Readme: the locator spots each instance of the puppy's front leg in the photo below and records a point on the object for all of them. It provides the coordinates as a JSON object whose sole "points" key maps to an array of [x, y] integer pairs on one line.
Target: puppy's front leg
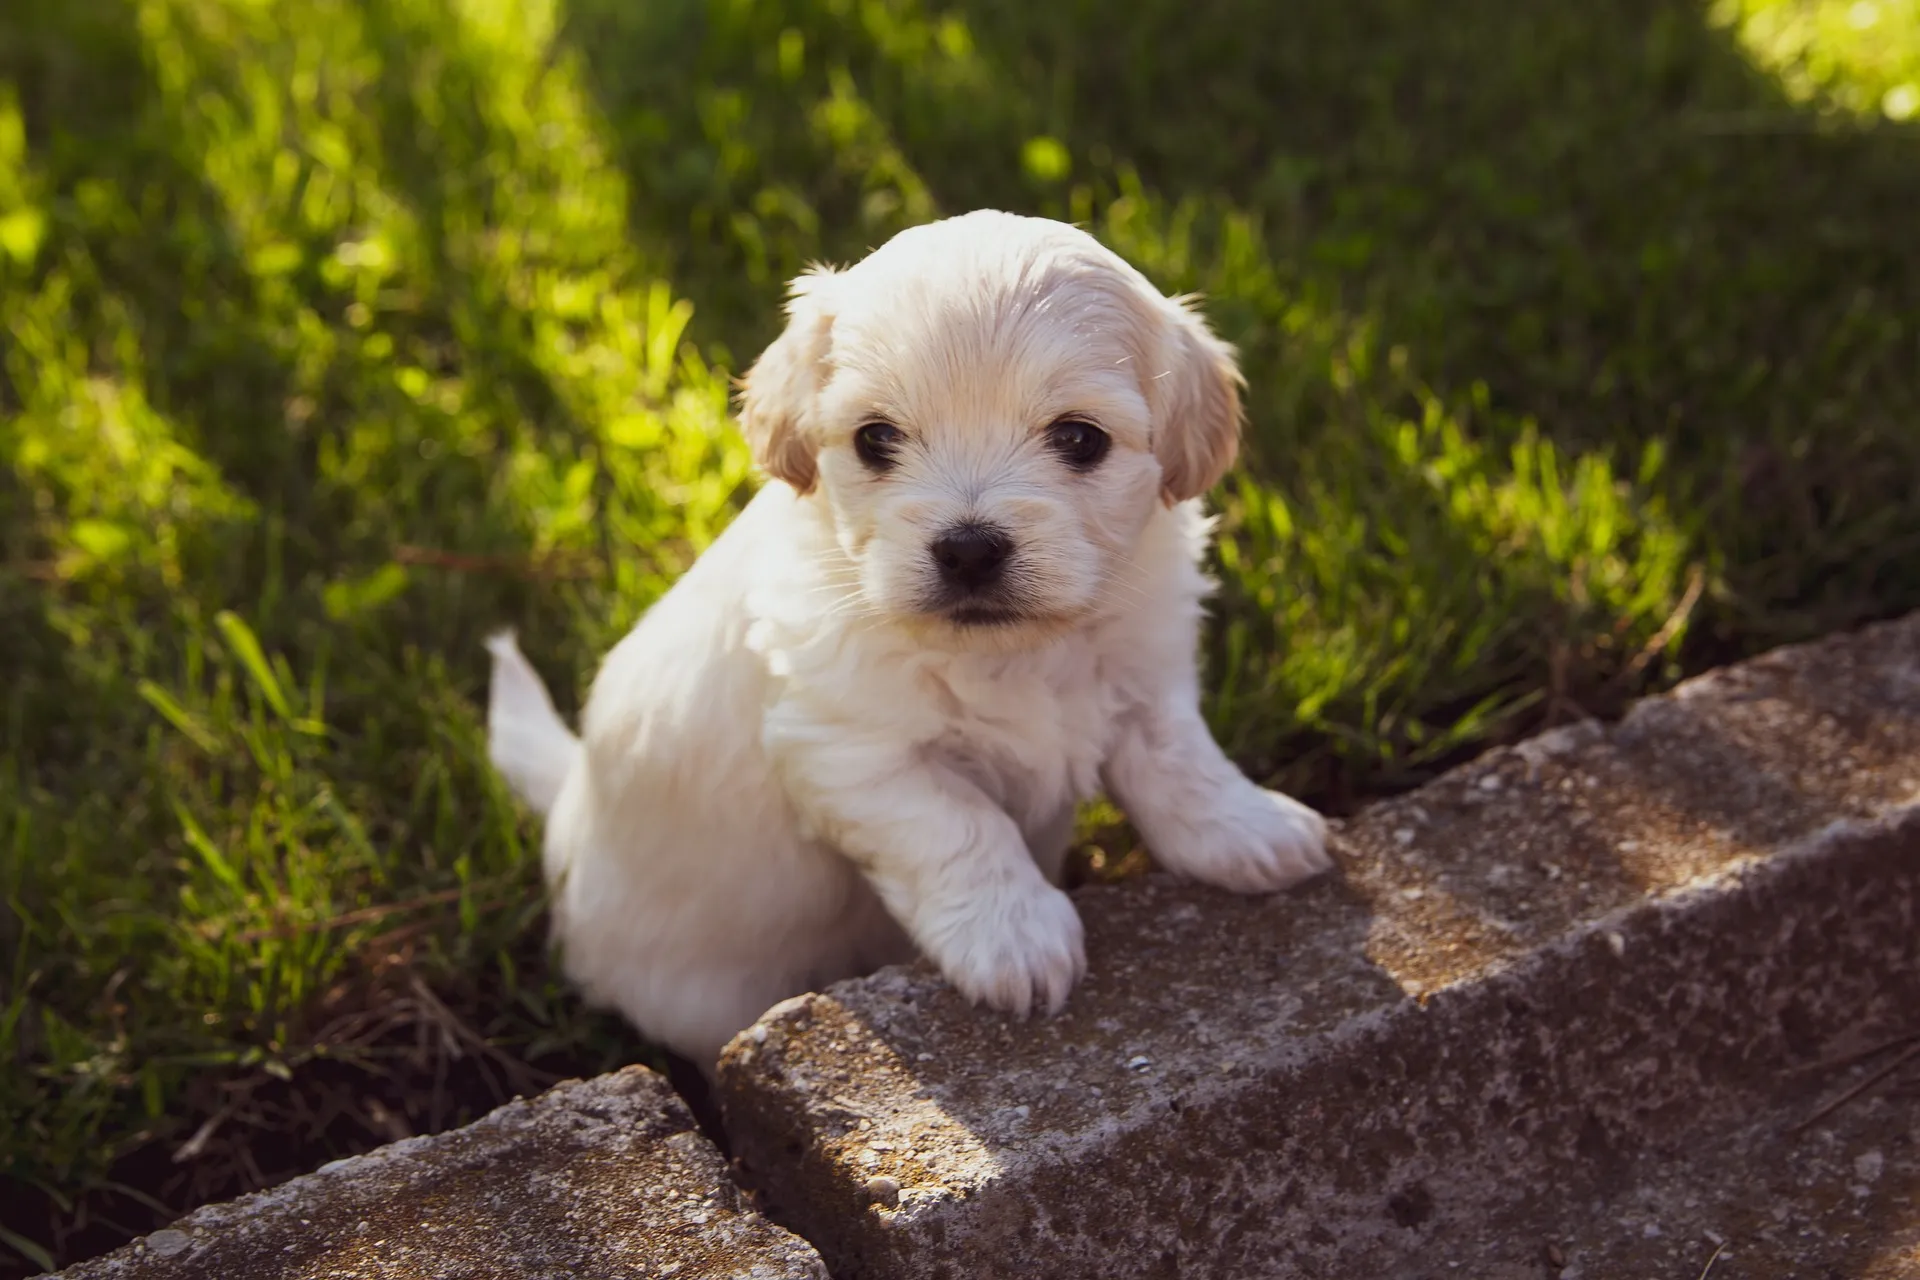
{"points": [[1200, 815], [949, 864]]}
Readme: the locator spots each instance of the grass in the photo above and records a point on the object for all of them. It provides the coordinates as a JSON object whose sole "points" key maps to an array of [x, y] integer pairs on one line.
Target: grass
{"points": [[1584, 346]]}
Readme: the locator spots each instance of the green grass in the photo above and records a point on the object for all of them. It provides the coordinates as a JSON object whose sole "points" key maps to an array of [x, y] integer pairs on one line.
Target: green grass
{"points": [[1584, 350]]}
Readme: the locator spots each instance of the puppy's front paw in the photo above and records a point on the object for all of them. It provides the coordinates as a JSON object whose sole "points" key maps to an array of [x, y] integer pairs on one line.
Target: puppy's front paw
{"points": [[1254, 841], [1014, 951]]}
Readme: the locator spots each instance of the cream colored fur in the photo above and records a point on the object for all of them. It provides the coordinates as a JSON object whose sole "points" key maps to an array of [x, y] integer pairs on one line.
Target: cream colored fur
{"points": [[804, 763]]}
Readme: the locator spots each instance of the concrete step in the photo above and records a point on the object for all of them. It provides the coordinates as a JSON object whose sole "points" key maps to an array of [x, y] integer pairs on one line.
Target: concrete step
{"points": [[605, 1178], [1561, 997], [1761, 1199]]}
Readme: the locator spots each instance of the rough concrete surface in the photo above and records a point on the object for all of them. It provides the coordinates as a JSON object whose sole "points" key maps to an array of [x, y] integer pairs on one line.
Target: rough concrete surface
{"points": [[1558, 1013], [605, 1178], [1837, 1201]]}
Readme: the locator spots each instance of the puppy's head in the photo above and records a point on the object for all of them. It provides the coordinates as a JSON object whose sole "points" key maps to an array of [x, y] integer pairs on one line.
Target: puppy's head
{"points": [[991, 407]]}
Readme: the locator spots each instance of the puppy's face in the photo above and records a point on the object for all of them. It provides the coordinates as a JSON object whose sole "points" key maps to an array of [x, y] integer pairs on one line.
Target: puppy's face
{"points": [[991, 407]]}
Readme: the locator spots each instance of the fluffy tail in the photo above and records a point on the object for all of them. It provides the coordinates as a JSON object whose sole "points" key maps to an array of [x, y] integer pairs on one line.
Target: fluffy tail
{"points": [[527, 740]]}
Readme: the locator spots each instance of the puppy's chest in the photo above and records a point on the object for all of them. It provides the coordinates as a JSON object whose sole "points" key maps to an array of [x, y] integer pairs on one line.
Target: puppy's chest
{"points": [[1031, 731]]}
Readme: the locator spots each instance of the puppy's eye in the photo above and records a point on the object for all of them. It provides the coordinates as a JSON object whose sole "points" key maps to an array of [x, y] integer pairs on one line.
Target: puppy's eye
{"points": [[877, 443], [1079, 443]]}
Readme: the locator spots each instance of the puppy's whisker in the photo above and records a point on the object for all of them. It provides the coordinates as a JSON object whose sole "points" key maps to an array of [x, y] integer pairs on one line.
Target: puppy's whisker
{"points": [[850, 582], [852, 607], [834, 597], [833, 588], [1116, 589]]}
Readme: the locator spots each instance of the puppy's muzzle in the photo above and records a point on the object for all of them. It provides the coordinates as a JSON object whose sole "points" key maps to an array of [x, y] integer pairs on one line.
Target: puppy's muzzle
{"points": [[976, 578], [972, 559]]}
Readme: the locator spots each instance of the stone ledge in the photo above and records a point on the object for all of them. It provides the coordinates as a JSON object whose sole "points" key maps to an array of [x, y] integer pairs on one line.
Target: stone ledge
{"points": [[606, 1178], [1529, 979]]}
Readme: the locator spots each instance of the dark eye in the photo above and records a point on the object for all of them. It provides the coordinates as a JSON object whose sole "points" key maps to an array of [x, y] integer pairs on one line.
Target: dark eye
{"points": [[877, 442], [1079, 443]]}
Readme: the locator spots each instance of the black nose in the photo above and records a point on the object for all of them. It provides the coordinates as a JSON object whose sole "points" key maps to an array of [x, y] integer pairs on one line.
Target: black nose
{"points": [[972, 555]]}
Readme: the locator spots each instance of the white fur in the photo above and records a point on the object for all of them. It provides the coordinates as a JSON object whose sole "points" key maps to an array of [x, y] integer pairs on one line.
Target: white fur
{"points": [[798, 766], [526, 739]]}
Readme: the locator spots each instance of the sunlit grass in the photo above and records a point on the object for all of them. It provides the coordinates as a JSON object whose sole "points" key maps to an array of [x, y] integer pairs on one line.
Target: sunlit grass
{"points": [[255, 351], [340, 332], [1861, 56]]}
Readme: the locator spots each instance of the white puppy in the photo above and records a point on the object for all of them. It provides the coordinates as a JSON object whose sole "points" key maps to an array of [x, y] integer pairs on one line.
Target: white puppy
{"points": [[968, 599]]}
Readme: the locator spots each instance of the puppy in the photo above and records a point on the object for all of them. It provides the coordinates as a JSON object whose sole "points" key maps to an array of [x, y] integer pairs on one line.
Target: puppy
{"points": [[967, 599]]}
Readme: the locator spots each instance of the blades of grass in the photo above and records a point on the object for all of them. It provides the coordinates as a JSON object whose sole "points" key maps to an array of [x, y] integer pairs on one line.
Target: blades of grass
{"points": [[34, 1253], [202, 844], [246, 646], [179, 717]]}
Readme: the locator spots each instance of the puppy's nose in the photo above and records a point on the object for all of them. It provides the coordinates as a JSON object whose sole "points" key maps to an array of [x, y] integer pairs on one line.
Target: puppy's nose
{"points": [[971, 555]]}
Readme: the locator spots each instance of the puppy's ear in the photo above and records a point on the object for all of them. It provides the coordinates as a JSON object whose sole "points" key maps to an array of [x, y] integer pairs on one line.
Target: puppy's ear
{"points": [[776, 395], [1195, 394]]}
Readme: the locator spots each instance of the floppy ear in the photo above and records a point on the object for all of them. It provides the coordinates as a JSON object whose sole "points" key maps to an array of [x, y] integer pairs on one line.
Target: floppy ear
{"points": [[1195, 395], [776, 395]]}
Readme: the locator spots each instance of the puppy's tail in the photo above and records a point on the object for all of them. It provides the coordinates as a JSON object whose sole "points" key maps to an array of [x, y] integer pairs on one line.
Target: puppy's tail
{"points": [[527, 740]]}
